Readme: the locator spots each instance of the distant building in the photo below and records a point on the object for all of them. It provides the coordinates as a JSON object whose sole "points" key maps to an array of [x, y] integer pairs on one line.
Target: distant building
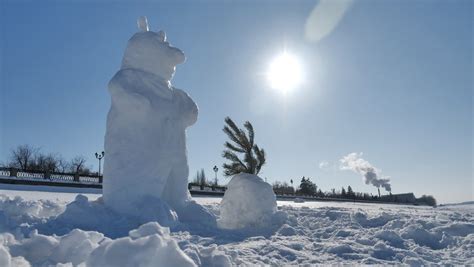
{"points": [[401, 198]]}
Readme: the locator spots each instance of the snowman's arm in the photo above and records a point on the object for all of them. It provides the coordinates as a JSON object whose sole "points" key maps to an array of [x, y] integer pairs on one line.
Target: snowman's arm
{"points": [[188, 108]]}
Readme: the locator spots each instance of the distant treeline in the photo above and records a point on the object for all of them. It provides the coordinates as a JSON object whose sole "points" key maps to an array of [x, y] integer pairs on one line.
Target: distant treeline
{"points": [[29, 158], [200, 180], [309, 188]]}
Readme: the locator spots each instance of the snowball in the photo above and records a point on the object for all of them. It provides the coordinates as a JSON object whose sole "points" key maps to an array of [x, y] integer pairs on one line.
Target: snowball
{"points": [[247, 202], [154, 248]]}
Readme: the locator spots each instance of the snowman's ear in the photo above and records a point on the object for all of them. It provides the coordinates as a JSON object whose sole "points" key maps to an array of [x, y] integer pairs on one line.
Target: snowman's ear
{"points": [[162, 36], [142, 24]]}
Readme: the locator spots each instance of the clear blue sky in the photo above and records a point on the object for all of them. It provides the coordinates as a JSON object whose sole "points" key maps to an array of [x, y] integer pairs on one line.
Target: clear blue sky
{"points": [[393, 80]]}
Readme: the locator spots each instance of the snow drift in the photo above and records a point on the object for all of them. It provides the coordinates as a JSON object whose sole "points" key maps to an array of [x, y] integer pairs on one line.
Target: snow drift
{"points": [[149, 245], [313, 233]]}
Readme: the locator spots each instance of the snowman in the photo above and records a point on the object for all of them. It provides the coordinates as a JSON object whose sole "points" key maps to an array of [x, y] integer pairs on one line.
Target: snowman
{"points": [[146, 169]]}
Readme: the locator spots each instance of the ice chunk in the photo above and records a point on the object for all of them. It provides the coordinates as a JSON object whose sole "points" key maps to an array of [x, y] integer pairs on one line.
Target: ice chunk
{"points": [[287, 230], [150, 228], [391, 237]]}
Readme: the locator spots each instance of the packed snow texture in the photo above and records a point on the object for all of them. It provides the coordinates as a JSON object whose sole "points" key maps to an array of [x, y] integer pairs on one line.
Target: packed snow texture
{"points": [[149, 245], [313, 233], [248, 202], [146, 168]]}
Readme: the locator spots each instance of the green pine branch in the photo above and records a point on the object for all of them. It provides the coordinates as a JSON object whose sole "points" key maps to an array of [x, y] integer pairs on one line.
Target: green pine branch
{"points": [[244, 143]]}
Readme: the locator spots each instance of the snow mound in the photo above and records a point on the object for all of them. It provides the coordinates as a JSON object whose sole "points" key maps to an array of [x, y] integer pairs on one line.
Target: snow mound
{"points": [[16, 212], [248, 202], [95, 216], [319, 233], [6, 260], [362, 219], [43, 250], [391, 237], [149, 245], [287, 230]]}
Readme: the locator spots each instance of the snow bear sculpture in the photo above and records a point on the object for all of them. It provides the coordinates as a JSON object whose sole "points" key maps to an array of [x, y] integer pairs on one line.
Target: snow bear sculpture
{"points": [[145, 141]]}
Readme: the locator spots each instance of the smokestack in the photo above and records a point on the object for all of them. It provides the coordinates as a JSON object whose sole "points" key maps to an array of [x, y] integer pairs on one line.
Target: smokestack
{"points": [[370, 174]]}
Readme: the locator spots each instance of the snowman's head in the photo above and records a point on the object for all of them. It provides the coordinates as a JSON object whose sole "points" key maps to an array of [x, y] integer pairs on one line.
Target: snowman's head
{"points": [[149, 51]]}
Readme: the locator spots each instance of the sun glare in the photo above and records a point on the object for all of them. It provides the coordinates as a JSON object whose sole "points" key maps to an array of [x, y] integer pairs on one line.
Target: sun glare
{"points": [[285, 73]]}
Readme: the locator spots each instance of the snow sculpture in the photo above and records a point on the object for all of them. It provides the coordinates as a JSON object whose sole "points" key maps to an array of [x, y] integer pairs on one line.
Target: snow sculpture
{"points": [[145, 143], [248, 202]]}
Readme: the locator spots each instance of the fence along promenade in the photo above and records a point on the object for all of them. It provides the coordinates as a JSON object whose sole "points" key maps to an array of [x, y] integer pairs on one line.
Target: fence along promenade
{"points": [[17, 176]]}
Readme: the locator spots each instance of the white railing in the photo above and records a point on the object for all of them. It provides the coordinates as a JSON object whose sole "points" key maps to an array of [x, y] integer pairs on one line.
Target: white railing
{"points": [[57, 177], [61, 177], [87, 179], [31, 175]]}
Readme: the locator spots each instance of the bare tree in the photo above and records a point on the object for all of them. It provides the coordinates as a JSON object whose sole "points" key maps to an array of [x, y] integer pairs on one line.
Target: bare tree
{"points": [[63, 165], [47, 163], [202, 179], [77, 165], [23, 157]]}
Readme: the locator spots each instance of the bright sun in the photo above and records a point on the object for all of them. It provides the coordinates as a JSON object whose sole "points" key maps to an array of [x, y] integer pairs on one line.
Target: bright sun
{"points": [[285, 73]]}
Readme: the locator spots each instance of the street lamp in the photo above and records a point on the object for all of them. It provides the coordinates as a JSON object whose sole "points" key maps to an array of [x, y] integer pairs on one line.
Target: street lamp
{"points": [[215, 171], [99, 156], [291, 181]]}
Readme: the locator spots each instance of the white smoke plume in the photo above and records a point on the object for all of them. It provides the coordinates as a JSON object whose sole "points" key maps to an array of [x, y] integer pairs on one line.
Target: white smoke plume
{"points": [[323, 164], [357, 164]]}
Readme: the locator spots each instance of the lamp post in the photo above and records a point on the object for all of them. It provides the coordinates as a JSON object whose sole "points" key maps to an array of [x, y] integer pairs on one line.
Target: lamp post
{"points": [[215, 171], [99, 156]]}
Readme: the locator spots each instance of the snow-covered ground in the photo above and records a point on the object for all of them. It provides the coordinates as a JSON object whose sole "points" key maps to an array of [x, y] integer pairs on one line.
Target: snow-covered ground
{"points": [[315, 232]]}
